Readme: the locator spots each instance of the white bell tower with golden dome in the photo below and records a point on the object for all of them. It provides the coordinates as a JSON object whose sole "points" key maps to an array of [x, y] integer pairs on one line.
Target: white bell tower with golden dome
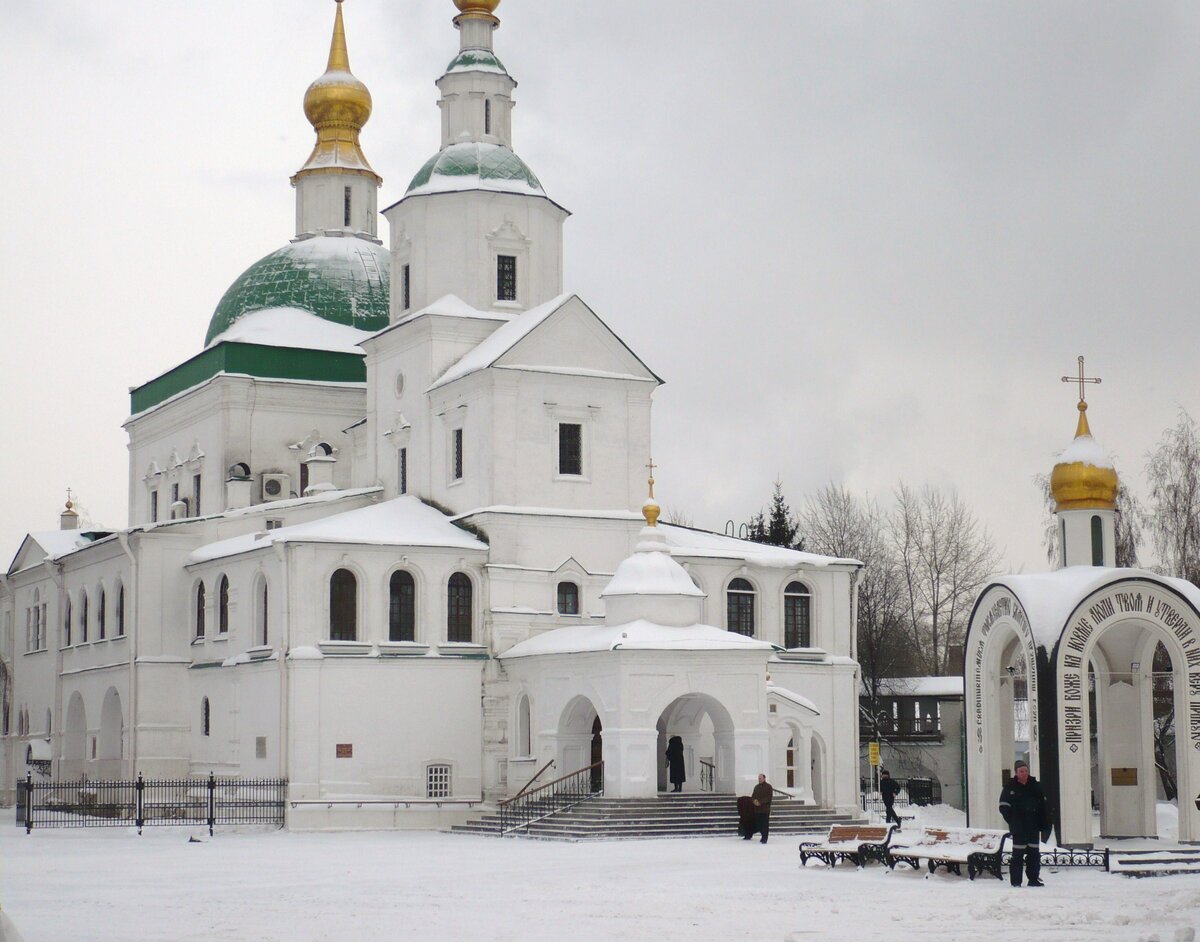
{"points": [[337, 191], [1084, 486]]}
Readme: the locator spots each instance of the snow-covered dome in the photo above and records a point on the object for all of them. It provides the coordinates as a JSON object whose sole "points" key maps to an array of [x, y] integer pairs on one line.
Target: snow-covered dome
{"points": [[339, 279], [474, 165], [651, 586], [476, 60], [1084, 476]]}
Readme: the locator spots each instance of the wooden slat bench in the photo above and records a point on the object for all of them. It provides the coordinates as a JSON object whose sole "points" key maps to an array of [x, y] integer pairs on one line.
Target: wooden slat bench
{"points": [[980, 850], [853, 842]]}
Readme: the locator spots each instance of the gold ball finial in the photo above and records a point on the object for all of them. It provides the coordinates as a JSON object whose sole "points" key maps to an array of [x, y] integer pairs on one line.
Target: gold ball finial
{"points": [[477, 10], [337, 99], [650, 510]]}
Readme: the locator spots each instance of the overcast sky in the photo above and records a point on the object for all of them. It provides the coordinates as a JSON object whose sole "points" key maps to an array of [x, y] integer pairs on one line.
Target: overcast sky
{"points": [[861, 242]]}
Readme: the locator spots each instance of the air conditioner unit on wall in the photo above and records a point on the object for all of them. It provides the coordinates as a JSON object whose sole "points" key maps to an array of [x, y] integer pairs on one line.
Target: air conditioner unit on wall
{"points": [[276, 487]]}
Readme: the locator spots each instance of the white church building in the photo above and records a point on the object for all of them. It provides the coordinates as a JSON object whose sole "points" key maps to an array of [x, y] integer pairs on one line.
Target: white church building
{"points": [[389, 535]]}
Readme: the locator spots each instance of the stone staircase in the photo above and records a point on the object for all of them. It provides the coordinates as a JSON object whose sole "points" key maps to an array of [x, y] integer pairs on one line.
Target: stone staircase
{"points": [[669, 815], [1154, 863]]}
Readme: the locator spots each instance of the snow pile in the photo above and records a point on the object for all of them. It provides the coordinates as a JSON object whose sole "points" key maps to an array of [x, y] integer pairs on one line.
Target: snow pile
{"points": [[685, 541], [1085, 450], [292, 327], [634, 636], [651, 570]]}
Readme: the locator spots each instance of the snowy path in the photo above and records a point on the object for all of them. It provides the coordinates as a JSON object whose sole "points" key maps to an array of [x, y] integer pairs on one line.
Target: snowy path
{"points": [[112, 885]]}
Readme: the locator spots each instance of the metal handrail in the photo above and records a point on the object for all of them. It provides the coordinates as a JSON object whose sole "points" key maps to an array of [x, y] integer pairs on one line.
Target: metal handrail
{"points": [[565, 792], [708, 776], [536, 776]]}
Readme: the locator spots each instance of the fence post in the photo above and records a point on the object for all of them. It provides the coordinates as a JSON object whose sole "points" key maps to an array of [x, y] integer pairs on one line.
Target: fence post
{"points": [[139, 813], [212, 787], [28, 802]]}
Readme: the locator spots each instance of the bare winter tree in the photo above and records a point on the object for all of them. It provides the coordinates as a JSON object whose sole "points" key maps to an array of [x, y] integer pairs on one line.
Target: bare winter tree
{"points": [[677, 516], [1129, 523], [836, 523], [945, 556], [1173, 470]]}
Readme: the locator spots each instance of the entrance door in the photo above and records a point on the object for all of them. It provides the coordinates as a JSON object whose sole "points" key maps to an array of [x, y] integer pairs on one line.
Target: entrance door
{"points": [[597, 756]]}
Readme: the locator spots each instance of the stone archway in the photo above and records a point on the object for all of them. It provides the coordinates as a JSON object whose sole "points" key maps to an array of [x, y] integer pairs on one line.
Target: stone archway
{"points": [[74, 739], [579, 736], [111, 738], [706, 729]]}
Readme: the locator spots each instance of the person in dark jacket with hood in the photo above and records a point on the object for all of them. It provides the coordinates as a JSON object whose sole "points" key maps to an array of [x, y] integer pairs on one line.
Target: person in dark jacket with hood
{"points": [[675, 763], [888, 789], [1023, 806]]}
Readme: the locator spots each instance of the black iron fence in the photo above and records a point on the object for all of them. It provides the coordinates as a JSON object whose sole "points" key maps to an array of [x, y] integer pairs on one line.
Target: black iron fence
{"points": [[143, 802], [913, 791], [559, 795]]}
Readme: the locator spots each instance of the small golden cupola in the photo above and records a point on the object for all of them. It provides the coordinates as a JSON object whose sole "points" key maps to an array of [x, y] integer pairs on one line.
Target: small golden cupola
{"points": [[1084, 477], [337, 105]]}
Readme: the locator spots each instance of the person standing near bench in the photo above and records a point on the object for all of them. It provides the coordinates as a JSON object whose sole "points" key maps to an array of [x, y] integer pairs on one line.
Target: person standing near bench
{"points": [[762, 806], [1023, 806], [888, 789]]}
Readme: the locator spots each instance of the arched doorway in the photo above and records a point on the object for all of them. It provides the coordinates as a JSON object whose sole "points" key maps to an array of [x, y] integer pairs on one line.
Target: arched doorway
{"points": [[110, 742], [706, 729], [74, 740], [817, 770], [580, 736]]}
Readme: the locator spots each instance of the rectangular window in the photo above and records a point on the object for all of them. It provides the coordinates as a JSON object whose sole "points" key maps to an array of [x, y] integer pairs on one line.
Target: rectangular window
{"points": [[570, 448], [153, 506], [174, 493], [196, 495], [406, 286], [437, 781], [260, 747], [487, 116], [346, 207], [458, 454], [403, 471], [273, 524], [506, 278]]}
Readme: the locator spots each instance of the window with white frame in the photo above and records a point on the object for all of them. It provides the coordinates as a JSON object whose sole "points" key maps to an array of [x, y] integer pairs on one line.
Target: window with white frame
{"points": [[740, 607], [797, 616], [568, 598], [570, 448], [437, 781], [506, 278]]}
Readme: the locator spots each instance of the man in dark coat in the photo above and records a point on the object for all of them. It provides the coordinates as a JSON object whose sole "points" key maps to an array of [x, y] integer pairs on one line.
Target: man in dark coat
{"points": [[675, 763], [762, 806], [888, 789], [1023, 806]]}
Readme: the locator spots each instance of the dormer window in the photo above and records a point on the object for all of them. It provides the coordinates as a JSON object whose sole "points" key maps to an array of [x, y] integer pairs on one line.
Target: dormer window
{"points": [[506, 278]]}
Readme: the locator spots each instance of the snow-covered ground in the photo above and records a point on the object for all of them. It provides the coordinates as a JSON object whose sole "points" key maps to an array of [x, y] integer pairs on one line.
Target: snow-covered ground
{"points": [[100, 885]]}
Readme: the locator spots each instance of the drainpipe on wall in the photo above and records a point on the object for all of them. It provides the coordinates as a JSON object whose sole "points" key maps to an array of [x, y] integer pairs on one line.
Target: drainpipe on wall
{"points": [[285, 626], [131, 633], [55, 571]]}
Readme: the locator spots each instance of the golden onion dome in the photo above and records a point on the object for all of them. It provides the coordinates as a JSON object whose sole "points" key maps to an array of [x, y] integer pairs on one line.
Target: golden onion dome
{"points": [[477, 7], [1084, 477], [337, 105]]}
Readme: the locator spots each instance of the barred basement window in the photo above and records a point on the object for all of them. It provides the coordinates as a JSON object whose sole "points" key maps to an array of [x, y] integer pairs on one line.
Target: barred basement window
{"points": [[740, 607], [570, 448], [437, 781], [506, 278], [458, 454], [406, 286], [346, 207], [797, 631]]}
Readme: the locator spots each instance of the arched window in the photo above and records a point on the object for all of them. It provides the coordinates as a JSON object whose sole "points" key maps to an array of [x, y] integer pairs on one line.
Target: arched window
{"points": [[223, 606], [402, 607], [568, 598], [261, 612], [120, 609], [487, 116], [100, 628], [200, 604], [739, 599], [797, 609], [524, 741], [35, 640], [67, 623], [83, 616], [343, 606], [205, 717], [458, 608], [1097, 542]]}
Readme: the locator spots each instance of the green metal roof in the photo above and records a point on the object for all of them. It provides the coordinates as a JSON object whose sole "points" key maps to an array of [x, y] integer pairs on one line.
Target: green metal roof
{"points": [[250, 360], [495, 167], [476, 59], [339, 279]]}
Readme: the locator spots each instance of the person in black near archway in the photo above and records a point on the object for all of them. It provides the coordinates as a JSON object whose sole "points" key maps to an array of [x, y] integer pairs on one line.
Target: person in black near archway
{"points": [[675, 763]]}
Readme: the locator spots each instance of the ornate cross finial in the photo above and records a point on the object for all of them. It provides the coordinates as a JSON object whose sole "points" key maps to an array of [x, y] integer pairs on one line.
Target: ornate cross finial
{"points": [[70, 500], [651, 466], [1081, 379]]}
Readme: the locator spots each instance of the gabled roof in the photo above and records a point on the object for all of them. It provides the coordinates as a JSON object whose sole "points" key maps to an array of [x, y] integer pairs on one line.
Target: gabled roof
{"points": [[505, 341], [403, 521], [36, 548]]}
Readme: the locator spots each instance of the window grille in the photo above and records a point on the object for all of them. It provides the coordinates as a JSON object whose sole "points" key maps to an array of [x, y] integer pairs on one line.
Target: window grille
{"points": [[568, 598], [487, 116], [797, 629], [174, 493], [570, 448], [153, 506], [100, 613], [402, 608], [83, 617], [437, 781], [196, 495], [263, 609], [346, 206], [200, 609], [740, 607], [223, 606], [67, 624], [120, 610], [343, 606], [406, 286], [403, 470], [458, 454], [205, 718], [506, 278], [458, 608]]}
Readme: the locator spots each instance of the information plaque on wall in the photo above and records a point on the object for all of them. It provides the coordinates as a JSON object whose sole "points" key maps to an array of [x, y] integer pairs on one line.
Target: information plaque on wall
{"points": [[345, 750], [1124, 776]]}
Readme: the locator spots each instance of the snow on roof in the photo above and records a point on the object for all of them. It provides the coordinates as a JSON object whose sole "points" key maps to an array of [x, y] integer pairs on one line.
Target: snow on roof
{"points": [[1087, 450], [1049, 598], [651, 571], [685, 541], [920, 687], [54, 544], [552, 512], [501, 341], [784, 693], [403, 521], [634, 636], [292, 327]]}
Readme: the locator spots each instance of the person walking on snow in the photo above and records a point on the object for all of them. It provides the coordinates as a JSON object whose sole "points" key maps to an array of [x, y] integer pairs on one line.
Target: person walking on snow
{"points": [[762, 806], [1023, 807], [888, 789]]}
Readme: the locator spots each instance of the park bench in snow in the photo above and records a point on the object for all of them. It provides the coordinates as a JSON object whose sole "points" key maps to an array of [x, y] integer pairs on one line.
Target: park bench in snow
{"points": [[979, 849], [853, 842]]}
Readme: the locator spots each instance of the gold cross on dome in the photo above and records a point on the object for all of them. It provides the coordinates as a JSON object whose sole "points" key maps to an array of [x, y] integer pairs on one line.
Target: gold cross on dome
{"points": [[651, 466], [1081, 379]]}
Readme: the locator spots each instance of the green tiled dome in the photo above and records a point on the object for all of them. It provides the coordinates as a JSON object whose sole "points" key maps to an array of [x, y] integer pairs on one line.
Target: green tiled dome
{"points": [[474, 165], [340, 279], [479, 60]]}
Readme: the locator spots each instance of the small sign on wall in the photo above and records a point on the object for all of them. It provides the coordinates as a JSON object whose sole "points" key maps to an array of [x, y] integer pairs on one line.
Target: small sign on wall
{"points": [[1124, 776], [345, 750]]}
